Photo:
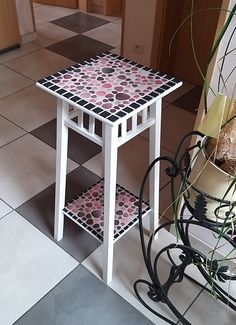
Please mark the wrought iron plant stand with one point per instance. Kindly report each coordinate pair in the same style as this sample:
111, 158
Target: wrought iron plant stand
214, 271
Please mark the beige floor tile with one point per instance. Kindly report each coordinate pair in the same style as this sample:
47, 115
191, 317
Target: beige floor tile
132, 165
11, 81
207, 310
49, 34
166, 200
4, 209
49, 13
29, 108
27, 167
39, 22
9, 131
118, 21
25, 49
31, 265
39, 64
116, 50
108, 18
109, 34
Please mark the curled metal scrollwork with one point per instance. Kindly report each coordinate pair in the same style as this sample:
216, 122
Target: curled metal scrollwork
216, 272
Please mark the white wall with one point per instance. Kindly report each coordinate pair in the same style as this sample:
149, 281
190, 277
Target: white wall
138, 29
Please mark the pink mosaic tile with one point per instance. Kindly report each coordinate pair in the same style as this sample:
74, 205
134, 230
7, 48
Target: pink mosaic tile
87, 210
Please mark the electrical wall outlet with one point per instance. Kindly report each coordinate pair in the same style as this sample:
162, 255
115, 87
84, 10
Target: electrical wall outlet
138, 48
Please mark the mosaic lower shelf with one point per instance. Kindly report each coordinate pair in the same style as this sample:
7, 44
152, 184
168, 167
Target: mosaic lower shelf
87, 210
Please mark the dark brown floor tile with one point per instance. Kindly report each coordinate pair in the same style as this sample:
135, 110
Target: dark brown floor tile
80, 149
80, 22
40, 212
190, 100
79, 48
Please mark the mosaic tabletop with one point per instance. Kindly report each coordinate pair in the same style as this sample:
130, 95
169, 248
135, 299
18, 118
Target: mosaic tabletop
109, 85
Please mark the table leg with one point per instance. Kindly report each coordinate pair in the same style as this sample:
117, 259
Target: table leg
110, 170
61, 166
154, 152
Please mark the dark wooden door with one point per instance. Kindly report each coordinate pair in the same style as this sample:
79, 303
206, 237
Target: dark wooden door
179, 59
9, 28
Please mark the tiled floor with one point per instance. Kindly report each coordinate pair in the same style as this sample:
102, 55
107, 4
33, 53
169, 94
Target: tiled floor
45, 282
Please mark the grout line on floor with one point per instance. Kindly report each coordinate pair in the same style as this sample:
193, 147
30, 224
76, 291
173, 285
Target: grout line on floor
20, 127
6, 66
191, 304
21, 136
21, 56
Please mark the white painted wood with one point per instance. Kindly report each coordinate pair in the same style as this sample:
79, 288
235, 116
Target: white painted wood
81, 130
110, 170
91, 125
123, 129
144, 115
80, 122
134, 122
154, 152
134, 132
103, 149
61, 165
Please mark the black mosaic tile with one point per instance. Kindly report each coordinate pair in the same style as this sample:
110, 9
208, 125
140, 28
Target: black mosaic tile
105, 114
120, 114
113, 118
68, 95
128, 110
61, 91
54, 88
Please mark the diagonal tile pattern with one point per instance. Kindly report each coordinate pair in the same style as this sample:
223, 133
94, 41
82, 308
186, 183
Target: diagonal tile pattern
9, 131
39, 64
49, 34
27, 167
22, 109
39, 211
79, 48
79, 22
40, 280
109, 34
87, 149
12, 81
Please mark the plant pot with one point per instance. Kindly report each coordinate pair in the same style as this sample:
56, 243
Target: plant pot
208, 178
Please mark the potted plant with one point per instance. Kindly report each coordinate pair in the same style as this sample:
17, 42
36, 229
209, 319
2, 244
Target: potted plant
213, 165
209, 175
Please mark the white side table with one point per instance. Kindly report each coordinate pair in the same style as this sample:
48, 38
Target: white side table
113, 90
